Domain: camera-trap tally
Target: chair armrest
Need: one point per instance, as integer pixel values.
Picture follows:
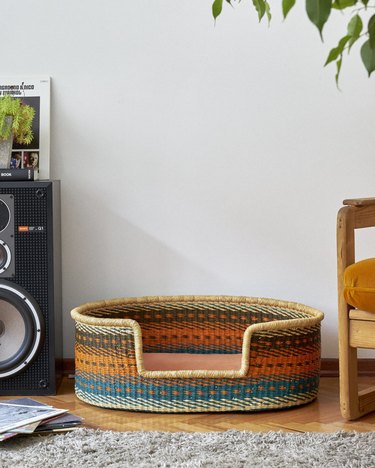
(357, 202)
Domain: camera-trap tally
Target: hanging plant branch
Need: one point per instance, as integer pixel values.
(319, 12)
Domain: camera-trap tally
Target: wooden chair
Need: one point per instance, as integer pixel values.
(356, 327)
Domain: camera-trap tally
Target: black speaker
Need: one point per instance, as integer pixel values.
(30, 288)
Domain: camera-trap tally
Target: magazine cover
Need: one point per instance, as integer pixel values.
(35, 92)
(59, 421)
(13, 415)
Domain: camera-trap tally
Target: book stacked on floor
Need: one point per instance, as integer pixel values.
(26, 416)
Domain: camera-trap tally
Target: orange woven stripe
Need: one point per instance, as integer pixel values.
(190, 338)
(105, 365)
(284, 364)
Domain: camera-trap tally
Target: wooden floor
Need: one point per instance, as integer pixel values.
(323, 415)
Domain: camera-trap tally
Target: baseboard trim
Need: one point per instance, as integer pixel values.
(68, 366)
(329, 367)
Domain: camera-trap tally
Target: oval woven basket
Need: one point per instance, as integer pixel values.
(276, 343)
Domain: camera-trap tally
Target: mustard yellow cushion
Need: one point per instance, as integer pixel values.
(359, 285)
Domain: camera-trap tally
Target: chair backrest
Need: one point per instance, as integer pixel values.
(356, 214)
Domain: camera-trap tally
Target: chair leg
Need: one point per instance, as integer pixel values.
(349, 401)
(349, 398)
(353, 403)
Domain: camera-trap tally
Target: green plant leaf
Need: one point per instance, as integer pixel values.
(333, 54)
(355, 26)
(365, 2)
(371, 31)
(318, 12)
(337, 51)
(287, 5)
(338, 69)
(268, 11)
(260, 6)
(368, 57)
(342, 4)
(217, 6)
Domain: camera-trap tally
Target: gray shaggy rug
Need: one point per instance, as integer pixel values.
(231, 449)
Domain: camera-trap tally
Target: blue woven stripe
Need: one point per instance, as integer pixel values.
(259, 390)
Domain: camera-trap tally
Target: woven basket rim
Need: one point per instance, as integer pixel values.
(79, 313)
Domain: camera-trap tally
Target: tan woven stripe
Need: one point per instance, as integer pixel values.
(242, 404)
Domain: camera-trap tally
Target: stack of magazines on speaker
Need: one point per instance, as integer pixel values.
(26, 416)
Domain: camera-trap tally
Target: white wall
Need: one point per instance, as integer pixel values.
(196, 159)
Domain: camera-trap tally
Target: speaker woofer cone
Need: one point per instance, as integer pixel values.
(22, 329)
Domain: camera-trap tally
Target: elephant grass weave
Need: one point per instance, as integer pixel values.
(279, 342)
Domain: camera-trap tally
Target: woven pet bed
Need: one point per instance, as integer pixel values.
(245, 354)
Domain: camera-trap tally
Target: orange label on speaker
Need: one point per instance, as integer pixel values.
(23, 228)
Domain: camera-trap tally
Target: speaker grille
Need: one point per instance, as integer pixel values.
(33, 226)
